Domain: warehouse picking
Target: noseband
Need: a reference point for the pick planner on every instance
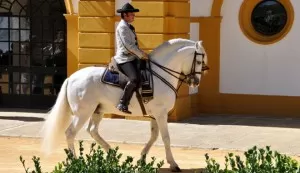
(183, 78)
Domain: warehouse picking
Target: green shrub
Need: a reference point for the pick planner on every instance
(256, 161)
(97, 161)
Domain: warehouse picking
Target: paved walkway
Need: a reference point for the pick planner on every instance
(205, 131)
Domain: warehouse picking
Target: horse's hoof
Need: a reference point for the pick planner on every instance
(176, 169)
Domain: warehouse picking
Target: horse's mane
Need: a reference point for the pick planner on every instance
(169, 47)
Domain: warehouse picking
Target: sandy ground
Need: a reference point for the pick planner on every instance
(11, 148)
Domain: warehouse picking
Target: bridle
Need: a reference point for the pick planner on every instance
(183, 78)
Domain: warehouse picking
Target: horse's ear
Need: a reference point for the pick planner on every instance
(199, 44)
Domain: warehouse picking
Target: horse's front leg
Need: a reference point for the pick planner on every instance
(162, 122)
(153, 138)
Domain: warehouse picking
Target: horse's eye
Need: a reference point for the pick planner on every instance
(198, 62)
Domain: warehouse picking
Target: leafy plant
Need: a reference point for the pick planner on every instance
(97, 161)
(36, 161)
(257, 160)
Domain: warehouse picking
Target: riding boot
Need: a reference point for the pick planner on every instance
(125, 98)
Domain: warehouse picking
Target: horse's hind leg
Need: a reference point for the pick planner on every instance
(78, 121)
(93, 130)
(153, 138)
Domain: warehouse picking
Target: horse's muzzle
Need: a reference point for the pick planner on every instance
(193, 81)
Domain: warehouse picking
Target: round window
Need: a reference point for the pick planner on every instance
(269, 17)
(266, 21)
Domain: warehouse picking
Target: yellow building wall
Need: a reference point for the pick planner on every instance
(72, 43)
(208, 97)
(96, 23)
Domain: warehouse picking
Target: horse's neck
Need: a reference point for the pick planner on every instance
(165, 75)
(170, 46)
(172, 61)
(169, 56)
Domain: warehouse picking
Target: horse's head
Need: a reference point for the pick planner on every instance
(195, 65)
(186, 61)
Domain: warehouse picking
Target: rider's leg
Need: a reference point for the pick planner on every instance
(130, 70)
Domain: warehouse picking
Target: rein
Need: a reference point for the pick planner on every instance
(170, 71)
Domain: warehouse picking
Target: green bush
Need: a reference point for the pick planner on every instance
(257, 160)
(97, 161)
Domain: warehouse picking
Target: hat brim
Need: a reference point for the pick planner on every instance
(128, 10)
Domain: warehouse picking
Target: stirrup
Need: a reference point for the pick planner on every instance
(123, 108)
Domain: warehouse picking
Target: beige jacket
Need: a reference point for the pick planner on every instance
(127, 47)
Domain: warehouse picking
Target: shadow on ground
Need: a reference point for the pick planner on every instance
(24, 110)
(167, 170)
(242, 120)
(26, 119)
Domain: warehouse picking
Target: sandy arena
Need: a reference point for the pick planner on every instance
(12, 147)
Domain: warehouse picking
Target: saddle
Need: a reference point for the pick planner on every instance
(144, 92)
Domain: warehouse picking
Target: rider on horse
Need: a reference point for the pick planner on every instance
(128, 54)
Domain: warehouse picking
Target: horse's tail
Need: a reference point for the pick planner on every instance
(58, 119)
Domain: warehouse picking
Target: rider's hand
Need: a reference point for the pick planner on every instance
(146, 57)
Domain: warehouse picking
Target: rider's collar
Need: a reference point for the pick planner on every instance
(126, 22)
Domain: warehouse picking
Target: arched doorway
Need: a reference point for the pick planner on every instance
(32, 52)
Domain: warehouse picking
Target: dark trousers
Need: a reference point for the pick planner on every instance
(131, 70)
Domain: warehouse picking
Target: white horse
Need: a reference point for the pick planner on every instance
(83, 92)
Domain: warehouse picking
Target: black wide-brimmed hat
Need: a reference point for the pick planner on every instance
(127, 8)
